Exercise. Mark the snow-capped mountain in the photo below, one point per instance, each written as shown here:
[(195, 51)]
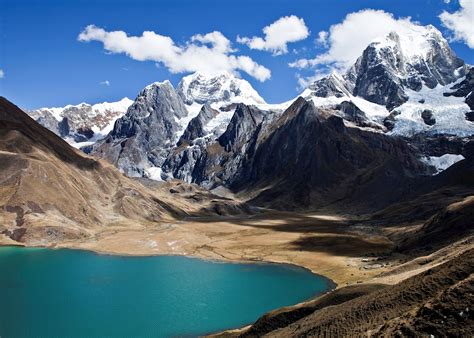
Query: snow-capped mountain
[(401, 83), (223, 88), (82, 123)]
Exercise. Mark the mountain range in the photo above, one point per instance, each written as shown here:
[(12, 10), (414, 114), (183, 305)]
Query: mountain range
[(404, 107)]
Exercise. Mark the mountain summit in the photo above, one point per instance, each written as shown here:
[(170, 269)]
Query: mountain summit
[(392, 65), (222, 88)]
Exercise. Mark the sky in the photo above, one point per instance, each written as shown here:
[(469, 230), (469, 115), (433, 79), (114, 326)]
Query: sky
[(54, 53)]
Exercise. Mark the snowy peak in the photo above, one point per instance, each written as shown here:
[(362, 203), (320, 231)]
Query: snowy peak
[(412, 57), (414, 42), (391, 66), (222, 88), (81, 122)]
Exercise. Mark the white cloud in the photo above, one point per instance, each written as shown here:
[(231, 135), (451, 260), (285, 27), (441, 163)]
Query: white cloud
[(322, 39), (209, 53), (278, 34), (461, 22), (347, 40), (2, 74), (105, 83)]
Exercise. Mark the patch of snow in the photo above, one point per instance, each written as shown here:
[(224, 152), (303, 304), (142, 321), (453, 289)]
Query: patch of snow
[(443, 162), (79, 145), (218, 124), (152, 244), (153, 173)]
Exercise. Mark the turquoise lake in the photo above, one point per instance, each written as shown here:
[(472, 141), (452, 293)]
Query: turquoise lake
[(72, 293)]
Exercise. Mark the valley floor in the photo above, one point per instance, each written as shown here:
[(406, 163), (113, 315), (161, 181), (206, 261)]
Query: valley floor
[(348, 251)]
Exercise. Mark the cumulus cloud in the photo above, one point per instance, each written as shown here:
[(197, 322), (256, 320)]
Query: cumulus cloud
[(277, 35), (347, 40), (461, 22), (2, 74), (209, 53), (105, 83)]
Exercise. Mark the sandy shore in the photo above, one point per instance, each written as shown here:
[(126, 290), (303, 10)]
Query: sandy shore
[(325, 244)]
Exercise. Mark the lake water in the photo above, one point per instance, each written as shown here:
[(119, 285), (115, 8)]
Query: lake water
[(59, 293)]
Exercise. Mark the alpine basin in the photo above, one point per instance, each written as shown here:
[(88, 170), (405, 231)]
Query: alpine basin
[(52, 293)]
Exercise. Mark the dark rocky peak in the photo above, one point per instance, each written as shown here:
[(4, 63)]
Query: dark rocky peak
[(195, 128), (142, 138), (242, 126), (157, 105), (391, 65)]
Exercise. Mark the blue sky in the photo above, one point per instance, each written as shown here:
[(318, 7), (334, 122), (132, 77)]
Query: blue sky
[(44, 64)]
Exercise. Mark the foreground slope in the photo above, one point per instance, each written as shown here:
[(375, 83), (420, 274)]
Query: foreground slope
[(436, 302)]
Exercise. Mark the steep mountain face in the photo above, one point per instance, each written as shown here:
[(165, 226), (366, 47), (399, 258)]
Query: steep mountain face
[(215, 161), (310, 158), (196, 127), (82, 122), (142, 138)]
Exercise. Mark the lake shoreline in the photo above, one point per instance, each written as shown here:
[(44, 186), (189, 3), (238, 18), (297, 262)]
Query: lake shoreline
[(325, 285)]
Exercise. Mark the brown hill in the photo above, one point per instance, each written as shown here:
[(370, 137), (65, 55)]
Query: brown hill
[(51, 192)]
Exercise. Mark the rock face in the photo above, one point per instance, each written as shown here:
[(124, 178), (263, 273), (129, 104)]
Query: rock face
[(333, 85), (397, 79), (427, 116), (83, 122), (195, 128), (142, 138), (465, 89), (308, 157)]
